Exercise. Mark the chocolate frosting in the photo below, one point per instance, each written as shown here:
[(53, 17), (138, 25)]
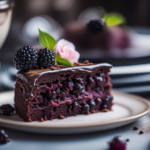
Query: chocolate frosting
[(30, 78)]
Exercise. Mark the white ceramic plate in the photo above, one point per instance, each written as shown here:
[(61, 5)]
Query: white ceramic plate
[(127, 108)]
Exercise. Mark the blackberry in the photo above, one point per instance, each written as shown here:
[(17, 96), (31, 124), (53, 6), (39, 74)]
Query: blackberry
[(117, 143), (26, 59), (95, 25), (46, 58), (3, 137), (6, 110)]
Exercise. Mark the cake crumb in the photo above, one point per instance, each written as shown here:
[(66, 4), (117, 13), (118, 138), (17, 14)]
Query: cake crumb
[(86, 62), (105, 110), (30, 120), (41, 120), (20, 83), (62, 117), (54, 68)]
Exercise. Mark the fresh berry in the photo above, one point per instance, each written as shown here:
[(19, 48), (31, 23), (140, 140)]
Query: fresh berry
[(26, 59), (3, 137), (46, 58), (135, 128), (127, 140), (117, 143), (95, 25), (6, 110), (141, 132)]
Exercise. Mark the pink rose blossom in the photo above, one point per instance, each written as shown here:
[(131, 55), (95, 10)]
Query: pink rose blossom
[(66, 50)]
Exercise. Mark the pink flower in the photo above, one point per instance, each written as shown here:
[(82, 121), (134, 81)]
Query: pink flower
[(66, 50)]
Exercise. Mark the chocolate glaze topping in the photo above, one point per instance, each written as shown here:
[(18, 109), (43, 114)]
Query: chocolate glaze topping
[(30, 78)]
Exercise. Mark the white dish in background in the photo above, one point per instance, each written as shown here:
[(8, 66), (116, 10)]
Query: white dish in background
[(124, 111), (132, 69)]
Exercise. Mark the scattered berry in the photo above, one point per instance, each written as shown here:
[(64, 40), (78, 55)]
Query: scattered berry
[(95, 25), (117, 143), (6, 110), (46, 58), (135, 128), (127, 140), (3, 137), (26, 59), (141, 132)]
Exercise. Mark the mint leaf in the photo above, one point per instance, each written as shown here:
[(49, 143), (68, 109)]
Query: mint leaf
[(62, 61), (46, 40), (112, 19)]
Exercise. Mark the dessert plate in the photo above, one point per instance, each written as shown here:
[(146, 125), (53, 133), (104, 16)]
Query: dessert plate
[(127, 108)]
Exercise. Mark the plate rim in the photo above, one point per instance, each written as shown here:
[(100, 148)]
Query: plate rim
[(128, 119)]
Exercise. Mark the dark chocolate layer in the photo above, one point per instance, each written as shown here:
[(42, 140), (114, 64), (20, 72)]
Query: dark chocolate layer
[(30, 78)]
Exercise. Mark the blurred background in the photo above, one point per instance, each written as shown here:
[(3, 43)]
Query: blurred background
[(127, 47)]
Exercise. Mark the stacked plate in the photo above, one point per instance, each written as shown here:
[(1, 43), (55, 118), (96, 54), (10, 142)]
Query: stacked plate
[(131, 79)]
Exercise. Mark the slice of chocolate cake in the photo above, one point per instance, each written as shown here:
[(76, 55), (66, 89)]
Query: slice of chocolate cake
[(61, 91)]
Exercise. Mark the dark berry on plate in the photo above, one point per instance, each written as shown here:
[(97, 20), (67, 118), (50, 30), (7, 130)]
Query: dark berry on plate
[(46, 58), (26, 59), (141, 132), (127, 140), (3, 137), (6, 110), (135, 128), (95, 25), (117, 143)]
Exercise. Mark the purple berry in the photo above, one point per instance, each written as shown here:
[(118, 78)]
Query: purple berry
[(3, 137), (117, 143), (6, 110), (46, 58), (26, 59)]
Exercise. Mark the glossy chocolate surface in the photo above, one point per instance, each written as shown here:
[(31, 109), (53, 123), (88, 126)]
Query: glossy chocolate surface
[(30, 78)]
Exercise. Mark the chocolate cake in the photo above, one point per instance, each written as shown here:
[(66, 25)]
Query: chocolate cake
[(61, 91)]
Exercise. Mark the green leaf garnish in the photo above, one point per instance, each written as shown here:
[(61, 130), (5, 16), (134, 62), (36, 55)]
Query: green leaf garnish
[(62, 61), (46, 40), (112, 19)]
